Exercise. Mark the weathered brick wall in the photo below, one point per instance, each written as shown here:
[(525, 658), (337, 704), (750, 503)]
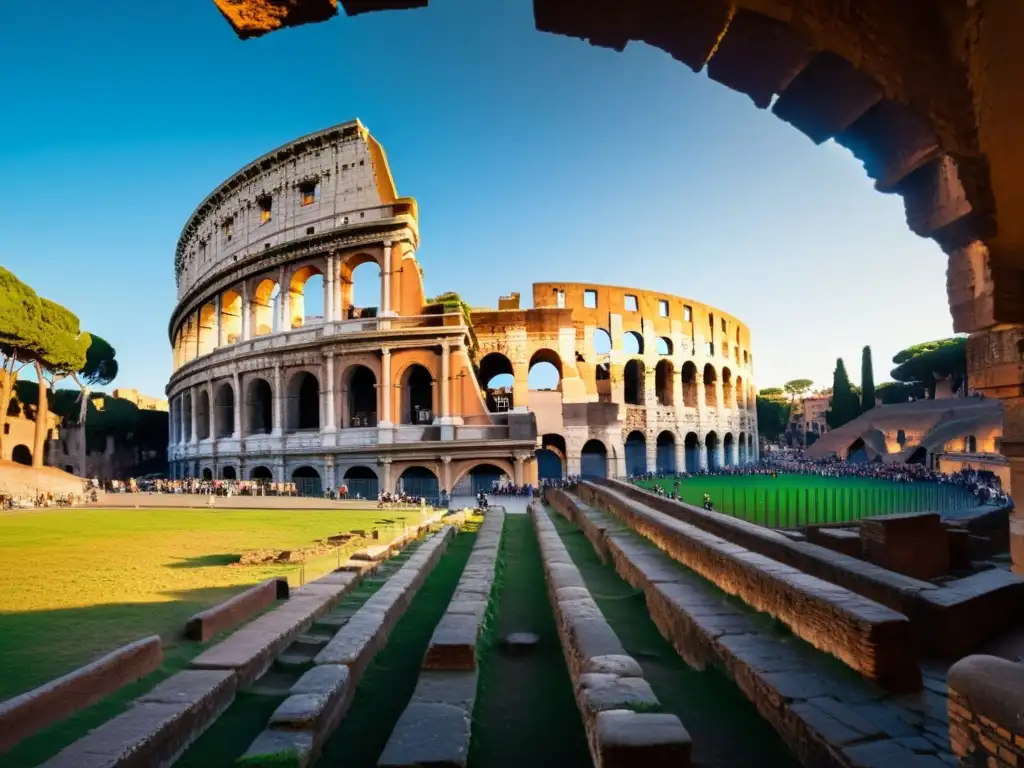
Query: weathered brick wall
[(914, 544), (986, 712)]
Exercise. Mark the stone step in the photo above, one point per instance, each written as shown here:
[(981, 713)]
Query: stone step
[(827, 717)]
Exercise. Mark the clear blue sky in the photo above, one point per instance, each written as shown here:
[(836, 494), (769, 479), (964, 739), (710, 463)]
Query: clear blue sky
[(534, 157)]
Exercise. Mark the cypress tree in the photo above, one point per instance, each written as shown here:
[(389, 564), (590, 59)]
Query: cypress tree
[(867, 381), (844, 405)]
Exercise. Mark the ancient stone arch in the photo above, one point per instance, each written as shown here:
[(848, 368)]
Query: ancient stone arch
[(259, 406), (264, 306)]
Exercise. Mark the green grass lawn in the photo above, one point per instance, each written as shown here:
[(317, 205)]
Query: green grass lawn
[(75, 584), (788, 501)]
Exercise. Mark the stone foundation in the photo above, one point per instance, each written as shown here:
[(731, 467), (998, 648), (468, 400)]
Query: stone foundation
[(986, 712), (912, 544), (30, 712), (869, 637)]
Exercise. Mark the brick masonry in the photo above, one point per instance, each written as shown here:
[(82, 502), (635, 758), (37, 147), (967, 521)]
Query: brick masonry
[(986, 712)]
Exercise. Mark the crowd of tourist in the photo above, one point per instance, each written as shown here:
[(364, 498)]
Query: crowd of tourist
[(986, 488), (40, 500)]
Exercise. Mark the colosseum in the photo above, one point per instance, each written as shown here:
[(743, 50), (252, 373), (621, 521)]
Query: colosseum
[(421, 394)]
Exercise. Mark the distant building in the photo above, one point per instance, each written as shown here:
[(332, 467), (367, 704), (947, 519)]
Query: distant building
[(20, 429), (815, 411), (948, 434), (143, 402)]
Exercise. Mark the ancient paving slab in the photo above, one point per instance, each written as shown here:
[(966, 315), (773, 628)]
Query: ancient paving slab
[(606, 680), (24, 715), (157, 727), (826, 716), (871, 638), (272, 749), (428, 735)]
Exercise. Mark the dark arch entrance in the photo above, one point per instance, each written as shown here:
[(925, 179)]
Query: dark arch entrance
[(496, 378), (224, 411), (689, 379), (666, 461), (207, 473), (549, 465), (633, 382), (22, 455), (362, 399), (636, 453), (362, 483), (259, 407), (691, 452), (417, 397), (482, 477), (730, 450), (711, 446), (307, 482), (420, 483), (857, 452), (303, 402), (228, 473), (594, 459), (261, 473)]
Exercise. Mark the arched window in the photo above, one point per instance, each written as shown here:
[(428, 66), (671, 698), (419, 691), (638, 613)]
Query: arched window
[(633, 382), (231, 316), (691, 451), (360, 277), (496, 378), (730, 450), (551, 457), (259, 407), (636, 453), (224, 411), (632, 343), (362, 398), (303, 402), (710, 391), (22, 454), (594, 459), (663, 377), (664, 345), (306, 297), (545, 370), (417, 395), (666, 461), (689, 377), (711, 446), (264, 308), (971, 444), (726, 388), (203, 415)]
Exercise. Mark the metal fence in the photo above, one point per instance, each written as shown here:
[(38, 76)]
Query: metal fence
[(796, 507)]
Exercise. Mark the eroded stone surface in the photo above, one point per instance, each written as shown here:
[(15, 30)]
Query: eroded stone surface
[(626, 739), (271, 746), (428, 734)]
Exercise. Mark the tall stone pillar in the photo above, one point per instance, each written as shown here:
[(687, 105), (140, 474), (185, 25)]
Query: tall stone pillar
[(330, 421), (246, 319), (284, 322), (702, 455), (387, 482), (220, 319), (385, 281), (182, 415), (445, 381), (385, 387), (652, 453), (329, 290), (330, 475), (193, 402), (518, 458), (446, 473), (680, 451), (237, 386), (278, 401)]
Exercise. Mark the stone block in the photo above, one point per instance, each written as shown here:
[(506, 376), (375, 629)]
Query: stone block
[(915, 544), (455, 688), (156, 728), (453, 644), (356, 642), (428, 734), (632, 693), (620, 665), (325, 678), (560, 575), (237, 610), (625, 739), (24, 715)]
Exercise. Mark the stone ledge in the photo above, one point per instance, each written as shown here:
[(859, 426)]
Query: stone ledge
[(986, 711), (157, 727), (824, 718), (608, 683), (869, 637), (34, 710), (237, 610)]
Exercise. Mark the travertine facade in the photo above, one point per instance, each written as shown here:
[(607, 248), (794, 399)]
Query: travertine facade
[(374, 394), (646, 381), (398, 392)]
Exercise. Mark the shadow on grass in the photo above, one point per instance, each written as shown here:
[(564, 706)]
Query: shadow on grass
[(206, 561), (38, 646)]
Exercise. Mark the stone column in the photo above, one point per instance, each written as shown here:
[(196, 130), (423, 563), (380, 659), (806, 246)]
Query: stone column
[(329, 290), (284, 322), (651, 447), (385, 281), (445, 381), (387, 484), (220, 319), (698, 382), (518, 457), (211, 418), (702, 454), (680, 451), (446, 473), (193, 392), (237, 386), (182, 415), (385, 387), (330, 424), (246, 318), (199, 333), (278, 425), (330, 476)]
